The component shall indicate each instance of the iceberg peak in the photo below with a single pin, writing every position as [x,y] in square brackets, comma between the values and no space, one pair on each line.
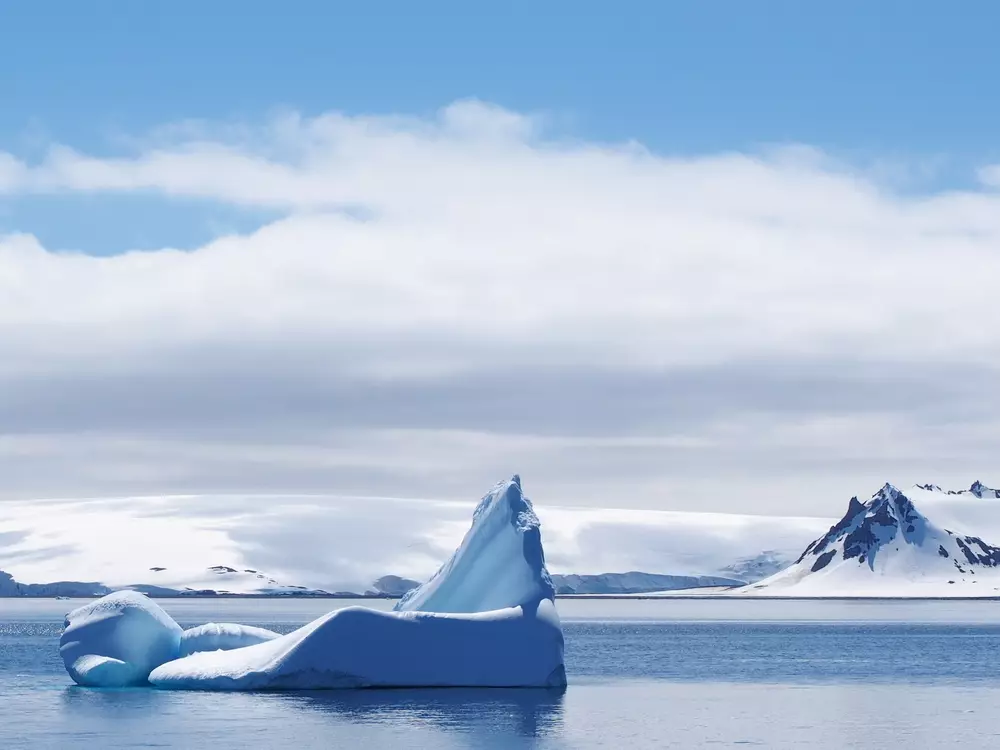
[500,562]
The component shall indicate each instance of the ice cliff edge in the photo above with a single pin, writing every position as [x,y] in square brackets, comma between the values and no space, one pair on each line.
[487,618]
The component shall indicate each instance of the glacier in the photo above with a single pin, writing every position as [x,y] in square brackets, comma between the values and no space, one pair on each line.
[487,618]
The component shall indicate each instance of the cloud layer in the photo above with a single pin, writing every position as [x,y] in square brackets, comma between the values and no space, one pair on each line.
[340,543]
[446,300]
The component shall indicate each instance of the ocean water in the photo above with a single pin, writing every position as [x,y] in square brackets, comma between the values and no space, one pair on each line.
[658,674]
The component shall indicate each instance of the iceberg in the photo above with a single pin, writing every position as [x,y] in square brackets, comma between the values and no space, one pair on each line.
[500,562]
[222,637]
[118,640]
[487,618]
[359,647]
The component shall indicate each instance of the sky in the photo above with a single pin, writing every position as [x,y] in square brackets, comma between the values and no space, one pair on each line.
[675,256]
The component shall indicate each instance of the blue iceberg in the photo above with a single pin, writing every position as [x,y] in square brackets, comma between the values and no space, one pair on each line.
[118,640]
[487,618]
[224,636]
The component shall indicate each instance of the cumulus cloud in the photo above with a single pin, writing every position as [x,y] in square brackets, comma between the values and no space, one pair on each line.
[770,317]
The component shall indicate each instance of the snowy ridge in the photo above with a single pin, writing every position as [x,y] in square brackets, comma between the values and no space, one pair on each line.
[83,589]
[634,582]
[887,547]
[219,580]
[572,584]
[978,489]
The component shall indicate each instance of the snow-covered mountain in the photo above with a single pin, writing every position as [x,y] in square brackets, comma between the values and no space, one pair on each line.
[217,580]
[978,489]
[10,587]
[274,545]
[888,546]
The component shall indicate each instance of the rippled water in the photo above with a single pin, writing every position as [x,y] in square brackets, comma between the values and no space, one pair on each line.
[676,673]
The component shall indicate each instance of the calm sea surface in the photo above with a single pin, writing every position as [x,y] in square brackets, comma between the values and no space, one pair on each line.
[674,673]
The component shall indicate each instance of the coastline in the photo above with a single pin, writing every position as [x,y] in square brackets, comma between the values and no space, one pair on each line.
[598,597]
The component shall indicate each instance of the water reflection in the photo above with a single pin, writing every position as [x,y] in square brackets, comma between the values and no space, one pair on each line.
[113,702]
[521,712]
[484,712]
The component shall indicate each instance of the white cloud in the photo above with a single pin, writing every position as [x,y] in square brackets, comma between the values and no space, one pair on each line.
[990,175]
[12,173]
[476,244]
[339,543]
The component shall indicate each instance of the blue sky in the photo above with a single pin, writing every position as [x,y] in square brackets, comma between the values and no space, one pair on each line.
[519,272]
[910,84]
[888,77]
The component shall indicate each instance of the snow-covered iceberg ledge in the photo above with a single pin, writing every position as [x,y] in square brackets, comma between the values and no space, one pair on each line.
[486,619]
